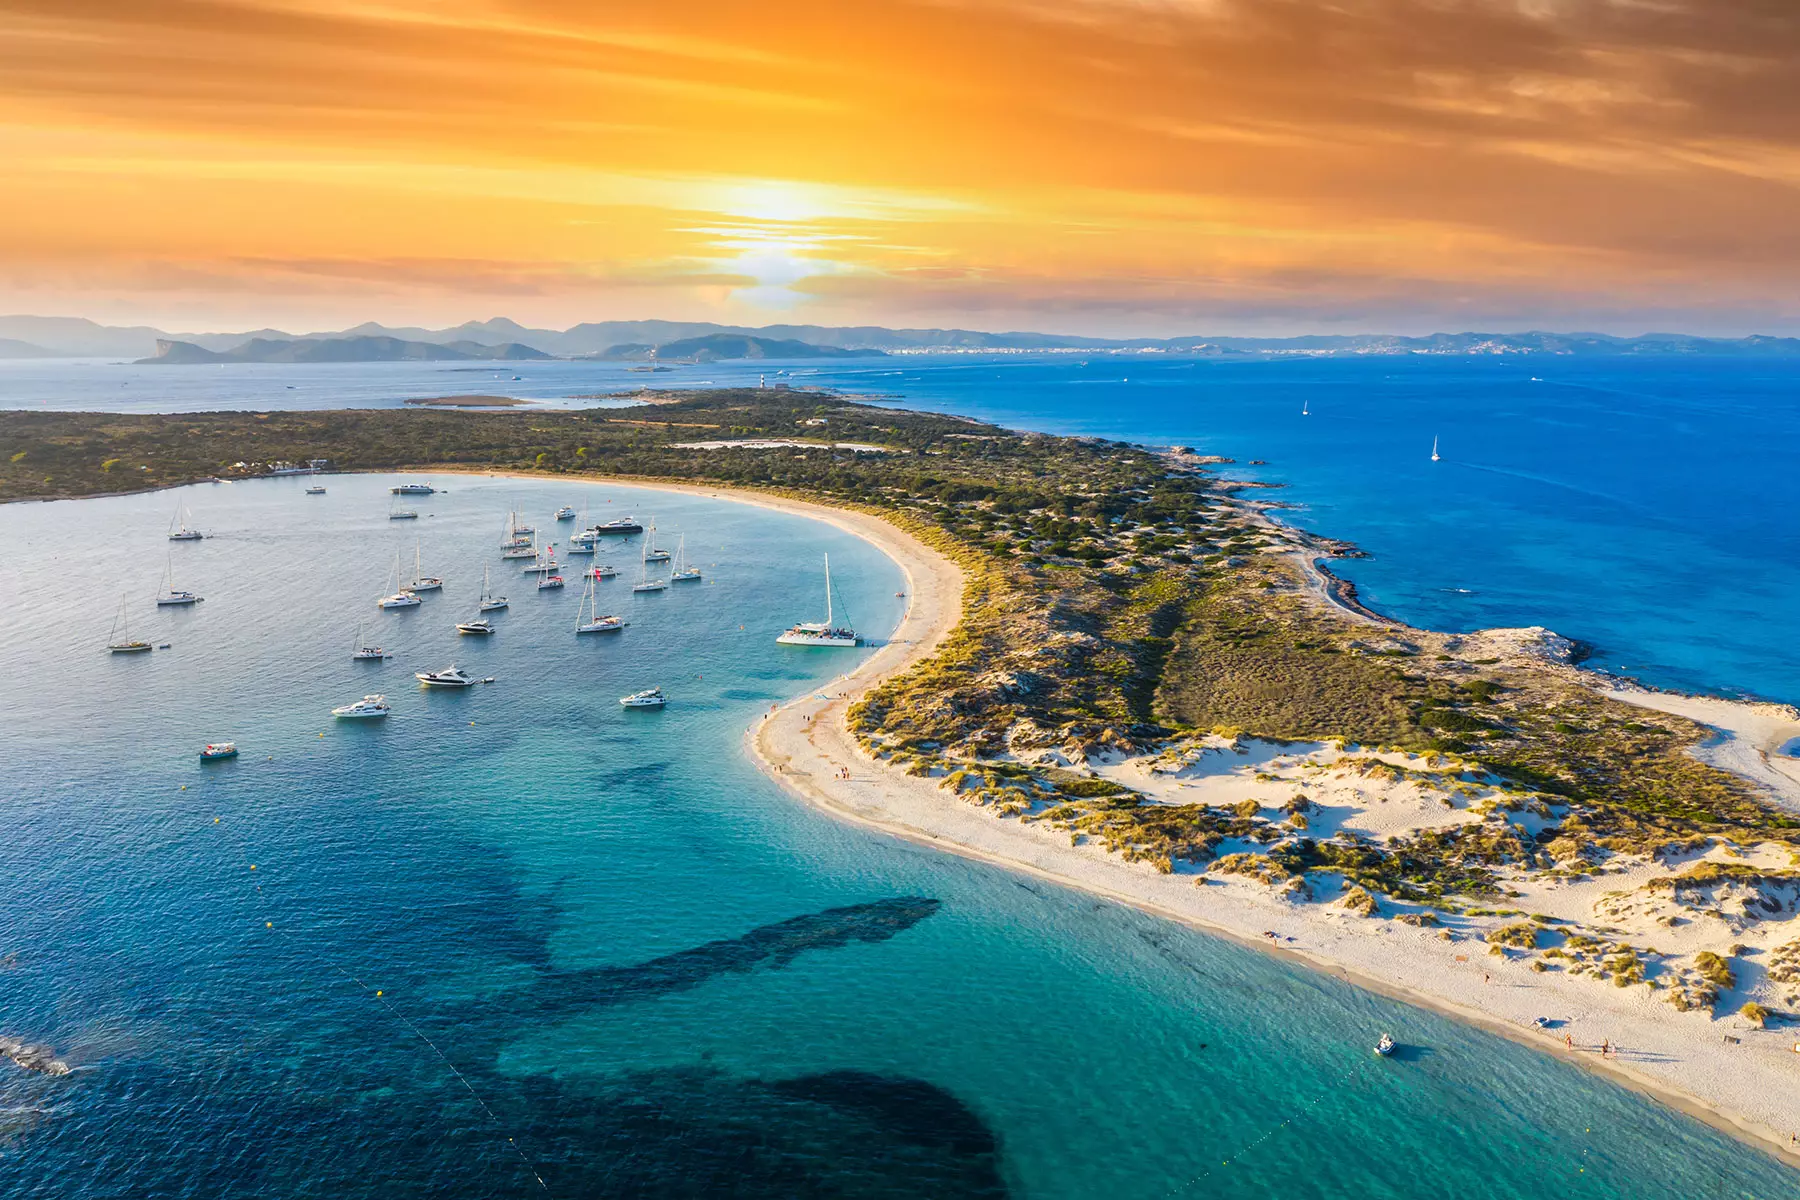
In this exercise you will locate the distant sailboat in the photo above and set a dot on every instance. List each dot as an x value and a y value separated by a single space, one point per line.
1434 450
645 583
421 581
683 573
1306 408
360 649
172 596
120 641
588 618
489 601
400 597
179 531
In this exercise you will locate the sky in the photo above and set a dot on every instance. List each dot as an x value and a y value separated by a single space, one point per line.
1151 167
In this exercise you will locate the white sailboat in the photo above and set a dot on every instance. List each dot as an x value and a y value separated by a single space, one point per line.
522 547
421 581
588 618
645 583
655 554
120 640
172 596
514 537
362 650
1306 408
1434 450
180 530
489 601
400 597
683 573
821 633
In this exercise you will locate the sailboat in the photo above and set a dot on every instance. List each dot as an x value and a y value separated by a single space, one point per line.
1434 452
821 633
403 514
179 531
588 618
1306 408
362 650
421 581
173 596
645 583
514 538
682 572
401 597
654 553
546 562
521 547
489 601
120 641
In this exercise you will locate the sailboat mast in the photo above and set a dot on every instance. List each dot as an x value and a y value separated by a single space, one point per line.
828 591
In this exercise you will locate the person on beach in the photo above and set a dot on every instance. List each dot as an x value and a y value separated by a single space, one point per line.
1605 1047
1569 1038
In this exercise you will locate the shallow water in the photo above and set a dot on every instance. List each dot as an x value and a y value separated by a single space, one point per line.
657 973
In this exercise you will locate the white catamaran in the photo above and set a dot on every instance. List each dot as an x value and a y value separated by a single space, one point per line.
821 633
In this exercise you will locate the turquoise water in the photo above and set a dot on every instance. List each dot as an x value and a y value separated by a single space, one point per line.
657 974
1648 507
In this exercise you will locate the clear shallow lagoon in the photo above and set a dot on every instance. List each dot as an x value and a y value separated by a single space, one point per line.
1648 507
662 975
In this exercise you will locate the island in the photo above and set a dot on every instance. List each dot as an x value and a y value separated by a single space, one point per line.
1119 671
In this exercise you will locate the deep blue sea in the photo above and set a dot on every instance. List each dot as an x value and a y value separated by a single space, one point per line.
520 934
1648 507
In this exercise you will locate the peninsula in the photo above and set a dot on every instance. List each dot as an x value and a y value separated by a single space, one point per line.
1118 671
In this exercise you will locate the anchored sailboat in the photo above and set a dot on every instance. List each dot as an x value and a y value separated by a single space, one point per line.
645 583
360 649
489 601
120 640
682 572
173 596
421 581
1434 452
179 530
588 618
821 633
400 597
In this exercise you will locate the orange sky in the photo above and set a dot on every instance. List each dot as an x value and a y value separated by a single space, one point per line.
1154 166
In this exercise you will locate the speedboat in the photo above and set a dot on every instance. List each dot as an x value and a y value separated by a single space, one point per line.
648 698
550 581
602 625
400 599
480 625
618 525
566 513
1385 1046
450 677
413 489
368 706
213 751
315 490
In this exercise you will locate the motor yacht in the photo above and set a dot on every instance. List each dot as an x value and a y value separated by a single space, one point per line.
368 706
450 677
479 626
648 698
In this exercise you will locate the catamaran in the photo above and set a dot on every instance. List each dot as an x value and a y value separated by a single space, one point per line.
821 633
683 573
489 601
120 640
179 530
421 581
645 583
400 597
360 649
367 707
172 596
588 618
1434 452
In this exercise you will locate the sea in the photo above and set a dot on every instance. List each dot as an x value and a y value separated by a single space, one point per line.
520 941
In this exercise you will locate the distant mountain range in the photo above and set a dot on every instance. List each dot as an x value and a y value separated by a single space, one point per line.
337 350
31 337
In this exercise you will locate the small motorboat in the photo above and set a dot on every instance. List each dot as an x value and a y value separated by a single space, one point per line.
450 677
481 625
1385 1046
213 751
566 513
368 706
648 698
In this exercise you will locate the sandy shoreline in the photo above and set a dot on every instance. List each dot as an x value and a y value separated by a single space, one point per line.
1746 1089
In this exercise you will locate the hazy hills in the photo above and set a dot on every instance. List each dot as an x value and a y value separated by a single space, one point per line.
33 336
338 350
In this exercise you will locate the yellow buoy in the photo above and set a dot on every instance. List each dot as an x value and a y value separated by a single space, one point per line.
253 866
268 924
378 991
